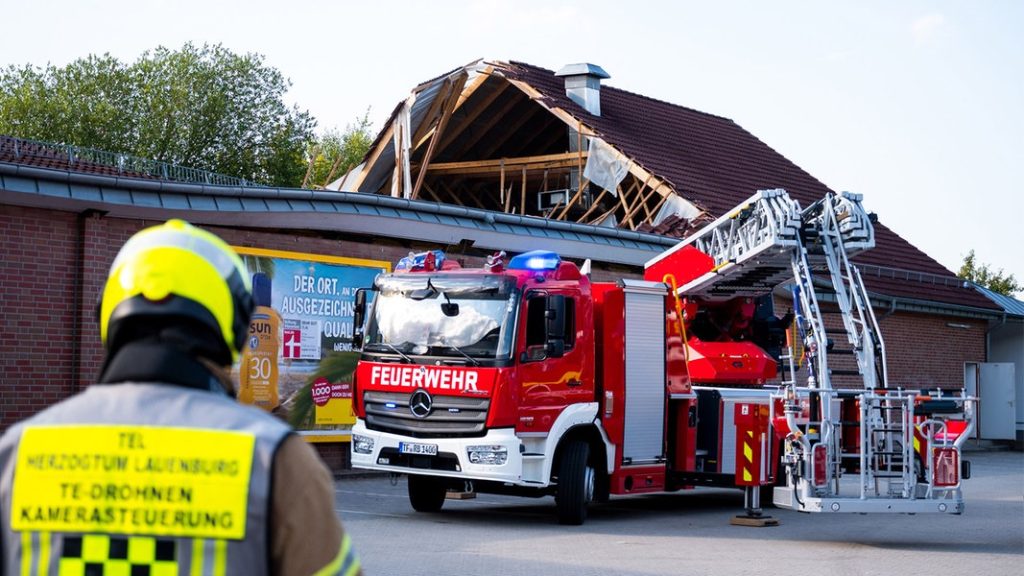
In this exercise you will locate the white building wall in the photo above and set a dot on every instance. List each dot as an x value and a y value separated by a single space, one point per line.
1006 344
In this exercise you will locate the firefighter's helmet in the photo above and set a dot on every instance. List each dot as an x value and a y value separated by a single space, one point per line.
176 272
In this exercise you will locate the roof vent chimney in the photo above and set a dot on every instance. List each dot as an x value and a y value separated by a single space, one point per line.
583 85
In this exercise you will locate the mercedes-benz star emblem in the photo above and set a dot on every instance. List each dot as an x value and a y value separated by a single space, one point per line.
420 403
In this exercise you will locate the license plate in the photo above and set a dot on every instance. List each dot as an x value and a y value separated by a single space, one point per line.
413 448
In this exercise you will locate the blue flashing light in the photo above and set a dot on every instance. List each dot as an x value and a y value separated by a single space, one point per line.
539 260
391 405
429 261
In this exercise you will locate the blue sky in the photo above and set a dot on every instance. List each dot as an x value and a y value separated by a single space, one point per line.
917 105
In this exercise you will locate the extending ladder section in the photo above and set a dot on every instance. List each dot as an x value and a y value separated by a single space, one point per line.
838 228
750 246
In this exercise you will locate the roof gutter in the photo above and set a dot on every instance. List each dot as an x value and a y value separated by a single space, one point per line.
322 196
897 303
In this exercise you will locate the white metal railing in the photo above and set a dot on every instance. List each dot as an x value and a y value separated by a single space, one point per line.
122 164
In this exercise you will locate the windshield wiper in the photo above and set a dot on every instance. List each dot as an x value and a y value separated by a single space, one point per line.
393 348
424 293
467 356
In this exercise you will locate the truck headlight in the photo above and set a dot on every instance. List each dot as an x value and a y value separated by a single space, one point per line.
491 455
362 444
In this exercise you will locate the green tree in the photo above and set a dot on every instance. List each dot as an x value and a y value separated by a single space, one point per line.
335 153
203 107
983 275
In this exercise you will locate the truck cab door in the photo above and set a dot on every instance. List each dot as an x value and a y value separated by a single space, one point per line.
553 365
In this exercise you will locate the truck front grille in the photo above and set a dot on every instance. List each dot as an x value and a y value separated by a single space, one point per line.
450 416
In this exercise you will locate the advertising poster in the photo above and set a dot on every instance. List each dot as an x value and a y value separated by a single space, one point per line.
298 362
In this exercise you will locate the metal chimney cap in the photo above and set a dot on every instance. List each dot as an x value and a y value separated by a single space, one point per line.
583 69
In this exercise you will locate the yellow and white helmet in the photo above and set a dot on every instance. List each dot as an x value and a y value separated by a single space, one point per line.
173 271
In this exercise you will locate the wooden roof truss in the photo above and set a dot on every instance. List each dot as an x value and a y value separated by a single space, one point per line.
492 142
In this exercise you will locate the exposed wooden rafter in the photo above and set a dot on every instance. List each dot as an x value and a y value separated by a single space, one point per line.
544 137
605 215
654 211
385 140
575 198
450 101
475 85
495 166
522 194
593 205
509 128
431 192
637 199
476 115
426 127
641 201
495 116
472 113
659 186
622 201
456 198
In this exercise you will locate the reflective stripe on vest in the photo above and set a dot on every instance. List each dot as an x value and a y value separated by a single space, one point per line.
138 478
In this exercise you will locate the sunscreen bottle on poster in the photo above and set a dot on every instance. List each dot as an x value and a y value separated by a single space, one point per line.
258 369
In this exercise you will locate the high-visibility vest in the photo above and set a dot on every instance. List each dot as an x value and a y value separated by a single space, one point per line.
138 479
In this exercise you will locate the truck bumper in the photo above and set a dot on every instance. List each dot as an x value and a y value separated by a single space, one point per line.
452 459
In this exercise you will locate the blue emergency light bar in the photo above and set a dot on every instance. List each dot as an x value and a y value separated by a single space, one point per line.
535 260
429 261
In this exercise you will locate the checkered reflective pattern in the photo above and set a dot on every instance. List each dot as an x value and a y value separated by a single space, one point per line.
103 555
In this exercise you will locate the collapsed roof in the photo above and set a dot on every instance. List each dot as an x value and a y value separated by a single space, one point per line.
516 138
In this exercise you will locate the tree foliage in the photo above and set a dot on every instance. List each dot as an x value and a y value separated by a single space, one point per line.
203 107
983 275
335 153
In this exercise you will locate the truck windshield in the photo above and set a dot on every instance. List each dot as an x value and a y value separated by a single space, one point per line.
449 315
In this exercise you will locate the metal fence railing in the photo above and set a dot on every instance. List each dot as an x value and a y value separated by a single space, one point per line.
21 149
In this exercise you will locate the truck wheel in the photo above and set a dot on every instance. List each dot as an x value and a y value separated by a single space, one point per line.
602 487
575 484
426 493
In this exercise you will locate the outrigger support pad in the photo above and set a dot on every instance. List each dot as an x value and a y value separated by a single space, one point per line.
754 516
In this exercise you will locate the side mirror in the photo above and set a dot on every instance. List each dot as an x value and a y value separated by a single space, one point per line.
555 314
555 348
358 318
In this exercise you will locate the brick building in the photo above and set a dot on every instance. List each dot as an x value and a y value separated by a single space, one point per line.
62 220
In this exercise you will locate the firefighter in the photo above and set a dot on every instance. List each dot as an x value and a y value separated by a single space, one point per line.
156 469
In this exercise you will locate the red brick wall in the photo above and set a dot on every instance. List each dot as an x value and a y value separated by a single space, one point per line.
37 310
42 361
103 238
922 351
335 455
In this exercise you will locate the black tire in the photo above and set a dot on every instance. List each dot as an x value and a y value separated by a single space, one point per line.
575 484
426 493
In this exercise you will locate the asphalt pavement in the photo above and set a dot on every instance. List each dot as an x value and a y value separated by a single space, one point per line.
686 533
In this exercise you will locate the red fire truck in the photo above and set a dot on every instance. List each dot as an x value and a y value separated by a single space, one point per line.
527 378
